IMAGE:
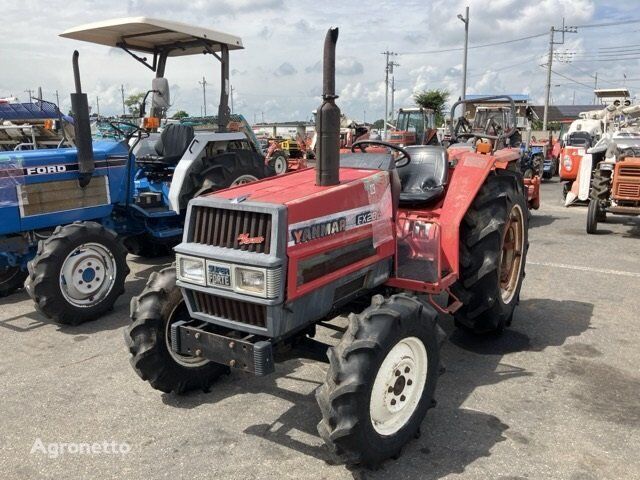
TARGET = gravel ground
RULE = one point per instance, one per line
(557, 396)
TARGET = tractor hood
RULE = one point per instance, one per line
(306, 200)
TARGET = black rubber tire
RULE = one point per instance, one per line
(481, 236)
(344, 398)
(43, 283)
(592, 216)
(600, 192)
(11, 280)
(159, 303)
(273, 162)
(566, 188)
(227, 169)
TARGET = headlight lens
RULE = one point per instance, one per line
(250, 280)
(191, 270)
(567, 162)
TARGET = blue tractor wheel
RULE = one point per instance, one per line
(78, 273)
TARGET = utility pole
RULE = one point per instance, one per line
(595, 87)
(40, 96)
(262, 117)
(547, 97)
(29, 91)
(573, 102)
(393, 94)
(204, 94)
(122, 92)
(98, 105)
(387, 70)
(364, 117)
(232, 89)
(465, 20)
(57, 100)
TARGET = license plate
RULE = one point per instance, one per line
(219, 276)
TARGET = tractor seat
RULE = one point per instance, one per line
(170, 147)
(424, 179)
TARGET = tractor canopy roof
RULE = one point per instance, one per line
(152, 35)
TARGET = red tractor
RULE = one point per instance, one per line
(374, 236)
(414, 126)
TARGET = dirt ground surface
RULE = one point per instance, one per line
(556, 397)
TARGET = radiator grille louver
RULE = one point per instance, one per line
(628, 190)
(629, 171)
(231, 309)
(220, 227)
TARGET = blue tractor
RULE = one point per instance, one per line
(71, 215)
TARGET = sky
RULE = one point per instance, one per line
(277, 77)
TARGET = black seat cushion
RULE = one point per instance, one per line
(171, 145)
(424, 179)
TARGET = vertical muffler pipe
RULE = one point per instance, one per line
(82, 127)
(328, 128)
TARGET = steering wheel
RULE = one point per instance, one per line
(402, 161)
(127, 136)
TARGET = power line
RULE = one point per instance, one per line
(609, 24)
(458, 49)
(571, 79)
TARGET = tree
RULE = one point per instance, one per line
(434, 99)
(379, 124)
(180, 114)
(132, 103)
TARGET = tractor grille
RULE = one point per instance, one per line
(629, 171)
(230, 309)
(628, 190)
(220, 227)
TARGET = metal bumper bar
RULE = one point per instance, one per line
(241, 353)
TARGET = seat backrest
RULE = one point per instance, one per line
(174, 140)
(424, 178)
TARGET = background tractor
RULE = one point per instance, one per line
(414, 126)
(615, 186)
(374, 236)
(69, 213)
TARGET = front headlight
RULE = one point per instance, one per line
(250, 280)
(191, 269)
(567, 162)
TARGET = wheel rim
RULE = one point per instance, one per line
(242, 179)
(184, 360)
(511, 255)
(7, 274)
(398, 386)
(87, 275)
(280, 164)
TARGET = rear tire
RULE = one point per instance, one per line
(148, 338)
(493, 250)
(78, 273)
(231, 170)
(278, 162)
(381, 380)
(11, 280)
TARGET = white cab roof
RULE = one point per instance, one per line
(148, 34)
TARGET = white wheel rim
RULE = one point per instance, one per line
(184, 360)
(242, 179)
(398, 386)
(87, 275)
(280, 165)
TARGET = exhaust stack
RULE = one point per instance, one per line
(328, 128)
(82, 127)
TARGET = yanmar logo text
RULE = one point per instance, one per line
(245, 239)
(319, 230)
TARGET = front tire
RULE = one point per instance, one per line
(593, 214)
(149, 339)
(11, 280)
(381, 380)
(78, 273)
(493, 250)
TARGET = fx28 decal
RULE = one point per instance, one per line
(46, 169)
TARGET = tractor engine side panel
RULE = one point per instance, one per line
(626, 180)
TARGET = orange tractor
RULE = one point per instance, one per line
(615, 187)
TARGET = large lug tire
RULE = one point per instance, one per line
(493, 250)
(149, 339)
(600, 193)
(78, 273)
(566, 188)
(229, 171)
(11, 280)
(381, 380)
